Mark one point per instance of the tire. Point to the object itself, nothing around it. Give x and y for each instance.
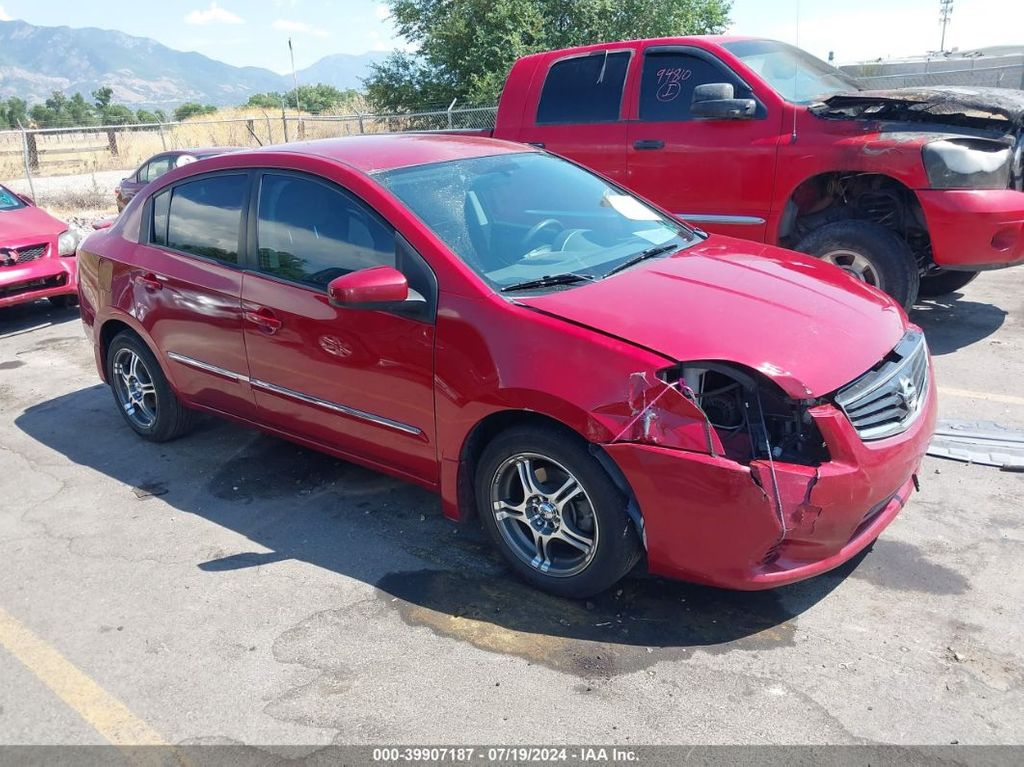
(593, 510)
(941, 282)
(869, 252)
(63, 302)
(143, 396)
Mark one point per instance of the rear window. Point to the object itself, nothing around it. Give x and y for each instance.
(205, 216)
(584, 89)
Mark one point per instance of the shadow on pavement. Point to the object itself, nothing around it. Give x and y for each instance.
(950, 323)
(304, 505)
(25, 318)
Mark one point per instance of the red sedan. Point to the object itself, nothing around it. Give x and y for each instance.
(593, 379)
(36, 254)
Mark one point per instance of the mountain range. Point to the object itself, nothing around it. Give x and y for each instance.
(35, 61)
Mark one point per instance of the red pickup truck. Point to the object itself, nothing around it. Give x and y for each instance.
(909, 190)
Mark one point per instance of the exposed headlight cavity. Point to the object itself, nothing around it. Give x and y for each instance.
(967, 164)
(67, 243)
(752, 416)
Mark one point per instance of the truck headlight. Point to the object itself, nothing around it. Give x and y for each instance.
(967, 164)
(67, 243)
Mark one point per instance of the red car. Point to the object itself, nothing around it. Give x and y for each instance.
(906, 189)
(595, 380)
(36, 254)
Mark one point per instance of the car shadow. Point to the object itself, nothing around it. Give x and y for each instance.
(951, 323)
(294, 503)
(34, 315)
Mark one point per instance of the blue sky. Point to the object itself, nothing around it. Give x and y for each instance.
(255, 32)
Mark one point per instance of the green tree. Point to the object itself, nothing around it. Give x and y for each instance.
(464, 48)
(145, 116)
(192, 109)
(118, 114)
(14, 111)
(103, 96)
(312, 98)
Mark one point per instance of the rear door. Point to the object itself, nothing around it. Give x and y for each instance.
(187, 283)
(579, 102)
(356, 380)
(718, 174)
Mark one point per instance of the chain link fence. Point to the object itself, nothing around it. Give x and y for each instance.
(1009, 73)
(76, 167)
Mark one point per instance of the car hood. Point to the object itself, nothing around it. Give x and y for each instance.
(17, 226)
(963, 106)
(806, 325)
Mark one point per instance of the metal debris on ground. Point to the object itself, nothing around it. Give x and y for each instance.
(981, 442)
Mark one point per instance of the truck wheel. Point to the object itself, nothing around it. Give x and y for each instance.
(941, 282)
(554, 513)
(869, 252)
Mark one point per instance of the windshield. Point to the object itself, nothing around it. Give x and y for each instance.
(518, 218)
(9, 200)
(795, 74)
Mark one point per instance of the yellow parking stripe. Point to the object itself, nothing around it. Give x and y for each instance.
(109, 716)
(1008, 399)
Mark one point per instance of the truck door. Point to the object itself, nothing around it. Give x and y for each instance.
(717, 174)
(579, 110)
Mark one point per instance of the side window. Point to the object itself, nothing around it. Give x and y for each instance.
(309, 232)
(205, 216)
(161, 206)
(585, 89)
(668, 80)
(157, 168)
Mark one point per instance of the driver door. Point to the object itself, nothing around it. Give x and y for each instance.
(716, 174)
(357, 381)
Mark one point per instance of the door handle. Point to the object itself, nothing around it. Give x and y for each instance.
(149, 282)
(649, 143)
(264, 319)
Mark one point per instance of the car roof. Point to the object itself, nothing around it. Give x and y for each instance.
(387, 151)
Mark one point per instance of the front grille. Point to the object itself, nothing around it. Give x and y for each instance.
(13, 257)
(888, 398)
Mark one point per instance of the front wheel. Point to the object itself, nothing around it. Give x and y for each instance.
(869, 252)
(65, 301)
(554, 513)
(941, 282)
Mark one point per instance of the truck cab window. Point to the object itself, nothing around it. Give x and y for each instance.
(668, 80)
(584, 89)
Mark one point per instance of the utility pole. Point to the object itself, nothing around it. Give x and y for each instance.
(295, 80)
(945, 13)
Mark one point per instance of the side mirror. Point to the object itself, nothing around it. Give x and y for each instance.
(372, 288)
(717, 101)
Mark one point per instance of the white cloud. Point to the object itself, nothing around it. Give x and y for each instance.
(213, 15)
(4, 15)
(301, 27)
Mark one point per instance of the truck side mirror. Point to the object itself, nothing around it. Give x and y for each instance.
(717, 101)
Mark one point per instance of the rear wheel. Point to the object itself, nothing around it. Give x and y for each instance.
(941, 282)
(554, 513)
(142, 392)
(869, 252)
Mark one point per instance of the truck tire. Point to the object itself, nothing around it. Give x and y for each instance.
(869, 252)
(941, 282)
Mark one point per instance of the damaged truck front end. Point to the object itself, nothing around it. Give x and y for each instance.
(785, 488)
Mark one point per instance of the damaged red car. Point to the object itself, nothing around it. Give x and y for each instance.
(36, 254)
(596, 381)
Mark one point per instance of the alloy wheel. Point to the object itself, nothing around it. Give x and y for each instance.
(133, 384)
(855, 264)
(544, 514)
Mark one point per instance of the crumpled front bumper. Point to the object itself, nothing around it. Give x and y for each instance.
(714, 521)
(975, 229)
(45, 277)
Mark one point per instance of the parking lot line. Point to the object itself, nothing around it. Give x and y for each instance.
(109, 716)
(1008, 399)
